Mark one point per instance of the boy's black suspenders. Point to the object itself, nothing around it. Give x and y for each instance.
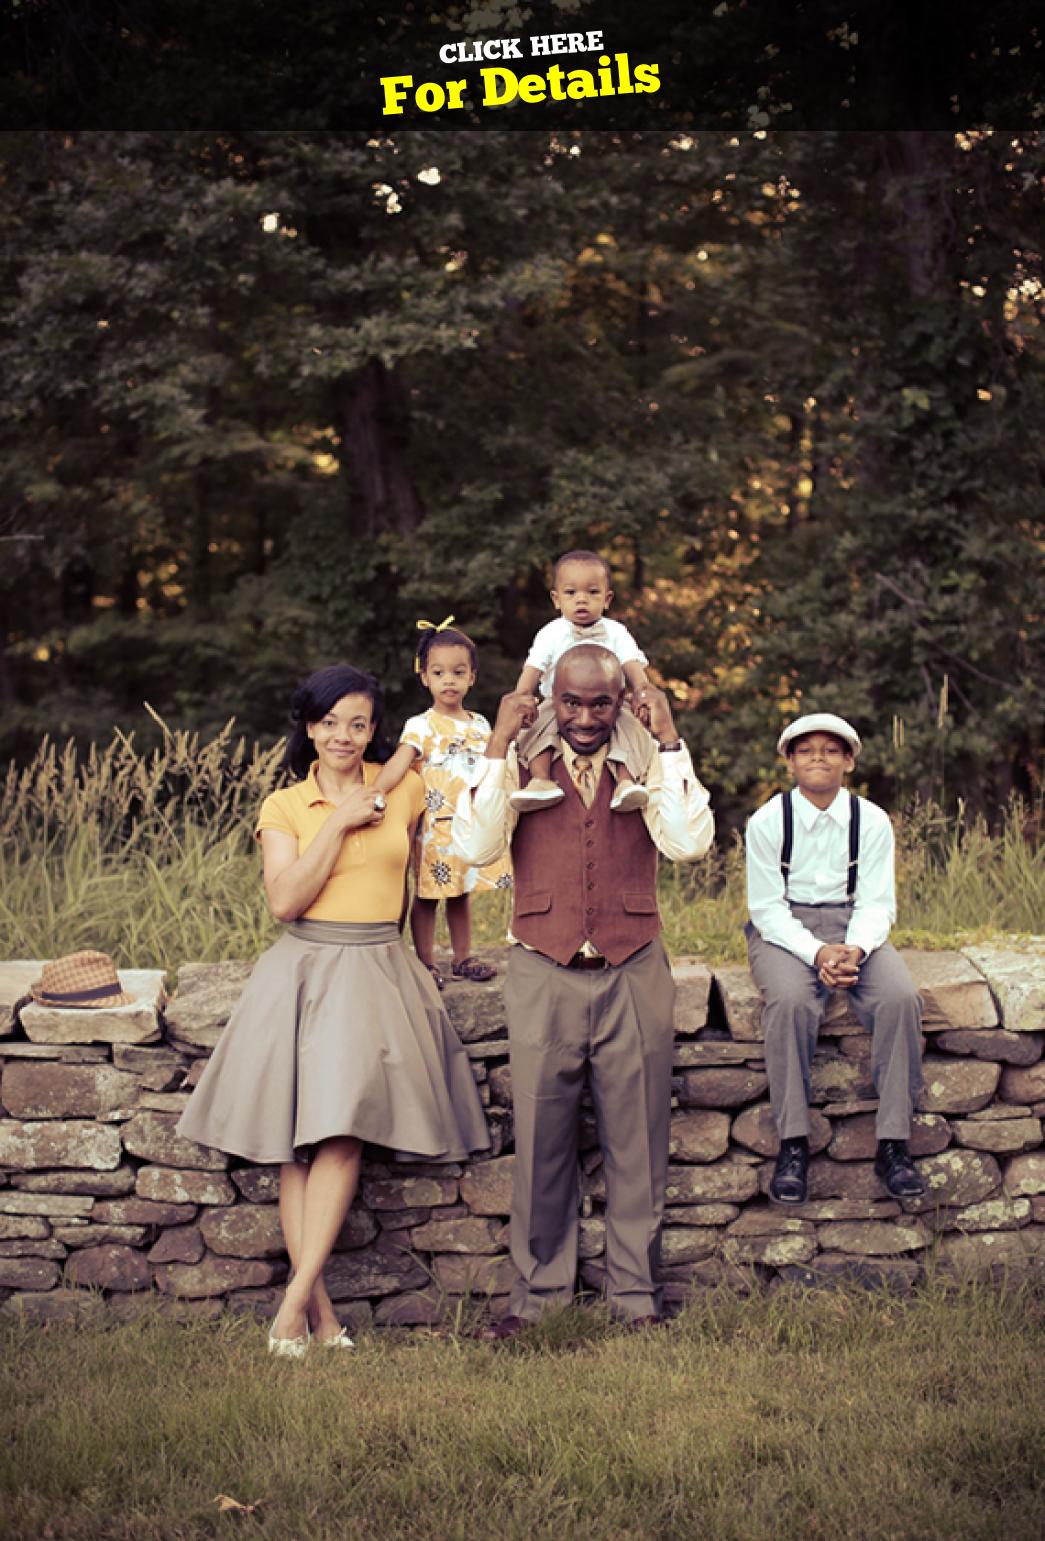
(854, 842)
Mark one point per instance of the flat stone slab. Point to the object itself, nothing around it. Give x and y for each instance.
(52, 1142)
(61, 1306)
(465, 1233)
(957, 1085)
(984, 1251)
(476, 1010)
(854, 1139)
(138, 1022)
(755, 1129)
(28, 1273)
(776, 1251)
(954, 992)
(258, 1184)
(204, 996)
(380, 1269)
(65, 1054)
(873, 1238)
(175, 1185)
(1016, 976)
(109, 1268)
(1023, 1084)
(152, 1136)
(994, 1215)
(741, 1001)
(693, 993)
(688, 1244)
(1025, 1174)
(725, 1087)
(100, 1184)
(989, 1043)
(958, 1177)
(1000, 1135)
(54, 1204)
(212, 1276)
(487, 1187)
(461, 1275)
(51, 1090)
(699, 1136)
(407, 1192)
(179, 1244)
(833, 1269)
(244, 1230)
(712, 1051)
(721, 1180)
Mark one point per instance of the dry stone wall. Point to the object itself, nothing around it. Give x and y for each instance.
(103, 1205)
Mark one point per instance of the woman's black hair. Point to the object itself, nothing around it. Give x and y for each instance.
(315, 697)
(448, 637)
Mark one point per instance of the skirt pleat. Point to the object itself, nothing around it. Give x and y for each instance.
(331, 1040)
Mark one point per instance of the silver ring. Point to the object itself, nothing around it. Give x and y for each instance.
(380, 803)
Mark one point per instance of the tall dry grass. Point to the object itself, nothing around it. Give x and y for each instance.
(150, 856)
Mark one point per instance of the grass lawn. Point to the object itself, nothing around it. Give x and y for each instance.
(789, 1416)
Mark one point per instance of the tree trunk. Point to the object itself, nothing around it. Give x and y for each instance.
(375, 428)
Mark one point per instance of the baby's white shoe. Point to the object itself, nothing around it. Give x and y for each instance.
(536, 794)
(628, 797)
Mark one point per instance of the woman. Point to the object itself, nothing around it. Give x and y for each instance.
(340, 1036)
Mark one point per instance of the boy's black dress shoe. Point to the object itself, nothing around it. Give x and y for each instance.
(893, 1164)
(790, 1175)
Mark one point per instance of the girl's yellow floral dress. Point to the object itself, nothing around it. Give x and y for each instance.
(451, 758)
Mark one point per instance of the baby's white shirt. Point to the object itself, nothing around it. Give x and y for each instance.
(560, 635)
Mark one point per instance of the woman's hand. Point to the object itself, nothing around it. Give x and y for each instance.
(360, 807)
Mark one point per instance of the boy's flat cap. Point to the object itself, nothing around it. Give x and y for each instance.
(819, 722)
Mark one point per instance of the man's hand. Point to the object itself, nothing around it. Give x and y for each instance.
(651, 708)
(516, 711)
(838, 965)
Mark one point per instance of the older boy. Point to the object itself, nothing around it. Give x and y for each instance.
(821, 894)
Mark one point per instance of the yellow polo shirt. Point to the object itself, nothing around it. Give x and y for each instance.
(366, 883)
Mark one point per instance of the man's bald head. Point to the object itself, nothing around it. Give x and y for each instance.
(587, 694)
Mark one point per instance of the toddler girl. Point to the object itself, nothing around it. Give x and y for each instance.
(582, 594)
(446, 745)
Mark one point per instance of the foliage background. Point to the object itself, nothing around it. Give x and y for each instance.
(271, 397)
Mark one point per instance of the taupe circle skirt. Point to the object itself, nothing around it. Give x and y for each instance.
(339, 1031)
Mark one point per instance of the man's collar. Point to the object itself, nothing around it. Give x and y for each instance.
(808, 812)
(570, 757)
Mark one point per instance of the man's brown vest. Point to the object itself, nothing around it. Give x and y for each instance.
(584, 875)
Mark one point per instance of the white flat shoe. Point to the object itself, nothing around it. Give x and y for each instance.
(340, 1340)
(536, 794)
(628, 797)
(287, 1348)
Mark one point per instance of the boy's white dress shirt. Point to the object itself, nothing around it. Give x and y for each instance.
(819, 861)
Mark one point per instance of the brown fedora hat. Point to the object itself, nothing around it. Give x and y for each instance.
(80, 979)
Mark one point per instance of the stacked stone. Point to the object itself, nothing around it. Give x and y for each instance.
(100, 1200)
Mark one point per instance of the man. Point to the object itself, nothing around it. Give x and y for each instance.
(821, 894)
(589, 994)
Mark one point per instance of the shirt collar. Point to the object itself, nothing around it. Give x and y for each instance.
(593, 633)
(310, 785)
(808, 812)
(570, 758)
